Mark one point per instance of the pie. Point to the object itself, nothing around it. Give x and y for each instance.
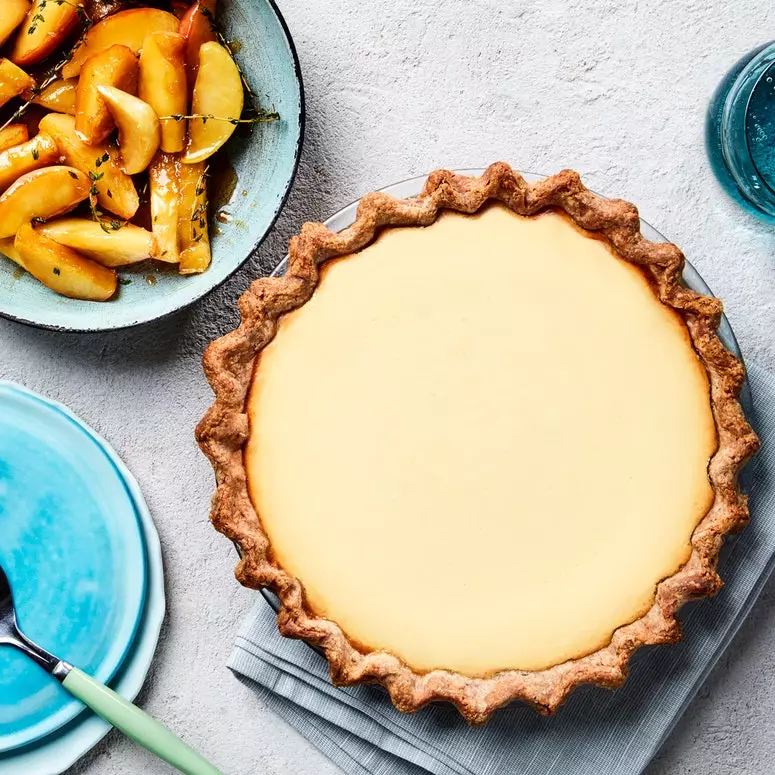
(483, 444)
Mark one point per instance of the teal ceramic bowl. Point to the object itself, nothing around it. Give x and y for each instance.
(264, 160)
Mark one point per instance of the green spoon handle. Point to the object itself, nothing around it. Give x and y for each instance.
(134, 723)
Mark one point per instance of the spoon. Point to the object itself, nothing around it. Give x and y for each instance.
(132, 721)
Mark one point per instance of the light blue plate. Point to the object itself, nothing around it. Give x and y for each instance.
(61, 749)
(265, 161)
(72, 545)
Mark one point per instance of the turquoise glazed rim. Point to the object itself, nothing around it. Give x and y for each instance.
(73, 547)
(265, 158)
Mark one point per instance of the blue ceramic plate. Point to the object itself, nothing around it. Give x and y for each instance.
(58, 751)
(72, 546)
(264, 160)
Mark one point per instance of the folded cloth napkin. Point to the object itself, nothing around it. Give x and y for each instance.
(595, 731)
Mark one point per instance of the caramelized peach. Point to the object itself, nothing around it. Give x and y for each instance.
(13, 81)
(102, 163)
(163, 85)
(43, 31)
(115, 66)
(43, 193)
(12, 14)
(31, 155)
(114, 247)
(58, 96)
(61, 268)
(197, 27)
(129, 28)
(165, 205)
(218, 92)
(193, 236)
(12, 135)
(139, 130)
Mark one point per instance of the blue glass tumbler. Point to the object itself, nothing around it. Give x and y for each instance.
(740, 132)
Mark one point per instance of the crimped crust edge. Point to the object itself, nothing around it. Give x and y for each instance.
(223, 432)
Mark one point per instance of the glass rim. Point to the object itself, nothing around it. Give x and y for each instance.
(740, 82)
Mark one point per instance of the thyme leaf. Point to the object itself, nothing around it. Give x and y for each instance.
(108, 225)
(261, 117)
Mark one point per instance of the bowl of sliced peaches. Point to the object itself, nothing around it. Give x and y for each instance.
(145, 151)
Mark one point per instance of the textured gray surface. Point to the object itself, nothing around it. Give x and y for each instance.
(616, 89)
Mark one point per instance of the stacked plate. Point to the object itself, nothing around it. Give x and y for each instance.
(83, 557)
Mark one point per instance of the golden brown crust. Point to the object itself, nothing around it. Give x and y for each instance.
(223, 432)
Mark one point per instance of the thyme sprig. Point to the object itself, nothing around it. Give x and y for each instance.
(39, 17)
(262, 117)
(254, 101)
(108, 225)
(199, 215)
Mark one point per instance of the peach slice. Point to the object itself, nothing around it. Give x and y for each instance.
(129, 28)
(120, 247)
(43, 31)
(58, 96)
(101, 163)
(218, 92)
(165, 206)
(12, 135)
(12, 14)
(193, 236)
(115, 66)
(139, 130)
(163, 85)
(42, 193)
(13, 81)
(61, 268)
(197, 27)
(39, 152)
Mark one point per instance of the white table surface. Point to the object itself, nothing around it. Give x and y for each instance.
(616, 89)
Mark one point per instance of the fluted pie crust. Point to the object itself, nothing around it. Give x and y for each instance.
(224, 433)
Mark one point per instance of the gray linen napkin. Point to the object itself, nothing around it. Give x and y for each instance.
(595, 731)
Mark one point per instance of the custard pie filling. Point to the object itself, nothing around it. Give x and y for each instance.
(481, 444)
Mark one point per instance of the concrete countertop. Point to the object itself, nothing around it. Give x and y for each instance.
(616, 89)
